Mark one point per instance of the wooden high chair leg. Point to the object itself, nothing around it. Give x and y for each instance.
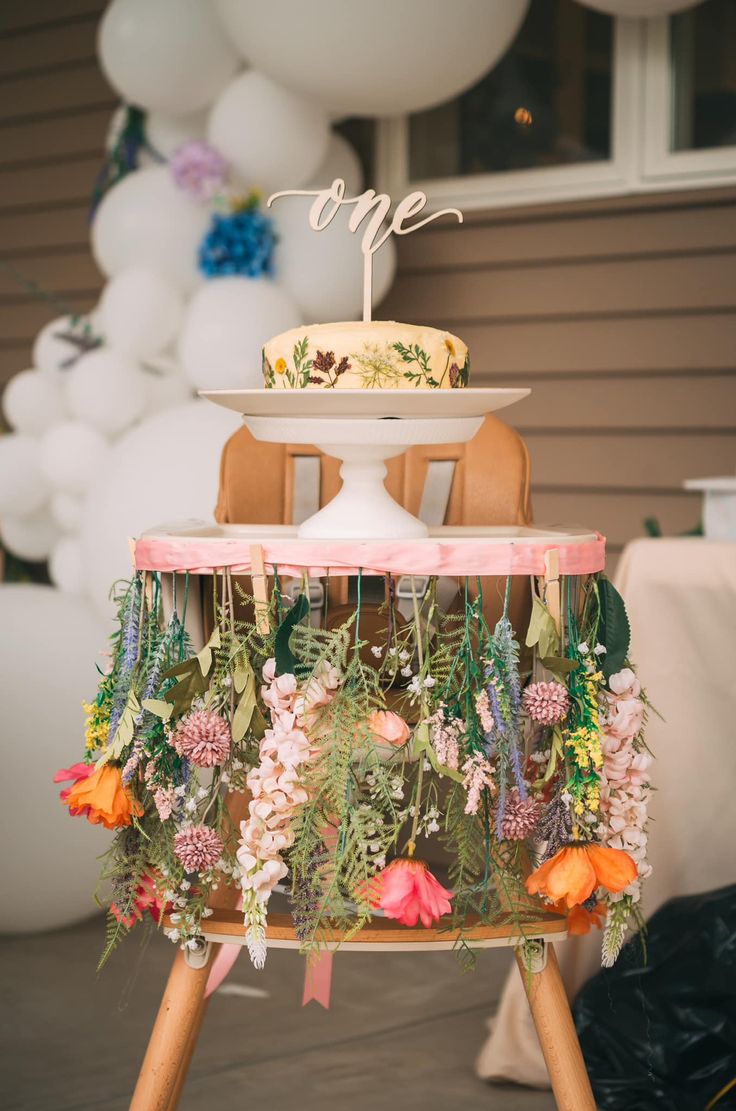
(172, 1039)
(556, 1031)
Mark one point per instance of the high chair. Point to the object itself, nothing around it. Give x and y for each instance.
(484, 482)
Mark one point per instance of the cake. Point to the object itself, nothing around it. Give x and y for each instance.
(355, 355)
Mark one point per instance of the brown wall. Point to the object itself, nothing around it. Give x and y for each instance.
(55, 109)
(620, 314)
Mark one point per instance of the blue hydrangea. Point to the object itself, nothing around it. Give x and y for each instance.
(238, 243)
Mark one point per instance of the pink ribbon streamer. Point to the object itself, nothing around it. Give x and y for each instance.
(318, 980)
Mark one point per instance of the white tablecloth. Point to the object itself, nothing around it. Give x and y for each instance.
(681, 598)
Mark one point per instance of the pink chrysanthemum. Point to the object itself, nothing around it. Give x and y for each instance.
(546, 703)
(203, 737)
(520, 817)
(198, 848)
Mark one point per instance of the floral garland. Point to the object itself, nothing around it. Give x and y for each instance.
(357, 756)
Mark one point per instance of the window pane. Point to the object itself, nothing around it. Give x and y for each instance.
(704, 64)
(547, 102)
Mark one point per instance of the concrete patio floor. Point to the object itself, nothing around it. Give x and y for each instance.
(402, 1032)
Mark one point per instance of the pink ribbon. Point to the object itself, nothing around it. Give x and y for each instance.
(318, 979)
(435, 556)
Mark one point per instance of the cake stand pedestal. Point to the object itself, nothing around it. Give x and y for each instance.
(363, 508)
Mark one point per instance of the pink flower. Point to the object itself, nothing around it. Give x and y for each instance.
(198, 169)
(407, 891)
(546, 703)
(625, 684)
(203, 738)
(623, 717)
(388, 728)
(75, 773)
(145, 899)
(198, 847)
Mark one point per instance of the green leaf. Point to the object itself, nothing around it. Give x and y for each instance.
(124, 732)
(205, 657)
(158, 708)
(542, 630)
(246, 706)
(559, 664)
(286, 662)
(614, 631)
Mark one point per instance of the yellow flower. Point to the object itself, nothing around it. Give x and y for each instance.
(280, 366)
(450, 346)
(96, 726)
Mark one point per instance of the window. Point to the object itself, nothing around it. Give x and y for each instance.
(581, 105)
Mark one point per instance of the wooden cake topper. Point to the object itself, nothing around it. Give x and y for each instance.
(368, 204)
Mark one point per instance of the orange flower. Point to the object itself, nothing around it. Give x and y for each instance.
(388, 728)
(580, 920)
(102, 799)
(573, 873)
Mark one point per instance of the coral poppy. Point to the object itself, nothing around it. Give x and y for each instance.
(574, 873)
(102, 799)
(407, 891)
(580, 920)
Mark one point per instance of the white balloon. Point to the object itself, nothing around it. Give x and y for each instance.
(340, 161)
(71, 456)
(65, 565)
(23, 485)
(380, 59)
(29, 537)
(167, 56)
(54, 345)
(67, 510)
(165, 385)
(164, 469)
(323, 271)
(52, 645)
(33, 401)
(140, 312)
(226, 324)
(145, 220)
(269, 135)
(639, 9)
(166, 133)
(106, 389)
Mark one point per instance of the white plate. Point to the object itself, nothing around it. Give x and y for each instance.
(366, 403)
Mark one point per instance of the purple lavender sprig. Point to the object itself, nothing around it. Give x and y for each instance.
(503, 687)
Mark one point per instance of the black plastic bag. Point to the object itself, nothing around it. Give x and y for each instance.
(659, 1034)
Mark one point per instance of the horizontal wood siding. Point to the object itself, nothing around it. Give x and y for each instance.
(55, 111)
(621, 316)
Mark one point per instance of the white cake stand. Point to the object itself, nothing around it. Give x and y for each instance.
(363, 507)
(363, 428)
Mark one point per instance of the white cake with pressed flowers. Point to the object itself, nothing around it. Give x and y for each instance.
(365, 355)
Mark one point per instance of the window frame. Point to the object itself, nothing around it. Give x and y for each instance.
(640, 162)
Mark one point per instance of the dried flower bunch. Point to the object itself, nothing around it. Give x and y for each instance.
(354, 770)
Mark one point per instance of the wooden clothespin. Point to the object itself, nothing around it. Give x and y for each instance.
(260, 588)
(552, 584)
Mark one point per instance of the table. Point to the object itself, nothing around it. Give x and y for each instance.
(681, 599)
